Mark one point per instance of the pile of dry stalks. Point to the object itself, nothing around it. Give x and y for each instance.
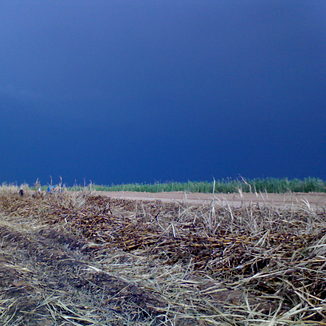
(209, 265)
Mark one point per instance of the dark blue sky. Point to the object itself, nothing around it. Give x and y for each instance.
(118, 91)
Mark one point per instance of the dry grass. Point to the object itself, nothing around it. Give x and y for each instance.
(83, 259)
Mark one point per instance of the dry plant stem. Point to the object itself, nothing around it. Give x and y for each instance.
(154, 263)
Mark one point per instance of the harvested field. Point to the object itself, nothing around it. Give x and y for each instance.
(88, 259)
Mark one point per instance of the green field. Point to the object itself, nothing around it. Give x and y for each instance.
(269, 185)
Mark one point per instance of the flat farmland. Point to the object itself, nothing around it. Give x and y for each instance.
(93, 258)
(286, 200)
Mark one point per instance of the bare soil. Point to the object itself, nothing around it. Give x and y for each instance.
(286, 200)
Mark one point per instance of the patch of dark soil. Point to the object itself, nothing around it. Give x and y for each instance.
(58, 264)
(119, 292)
(26, 310)
(64, 239)
(9, 235)
(20, 299)
(7, 276)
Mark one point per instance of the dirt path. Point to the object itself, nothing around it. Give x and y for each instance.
(288, 200)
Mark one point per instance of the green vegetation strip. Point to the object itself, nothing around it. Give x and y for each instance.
(269, 185)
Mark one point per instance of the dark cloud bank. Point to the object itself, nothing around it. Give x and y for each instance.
(144, 91)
